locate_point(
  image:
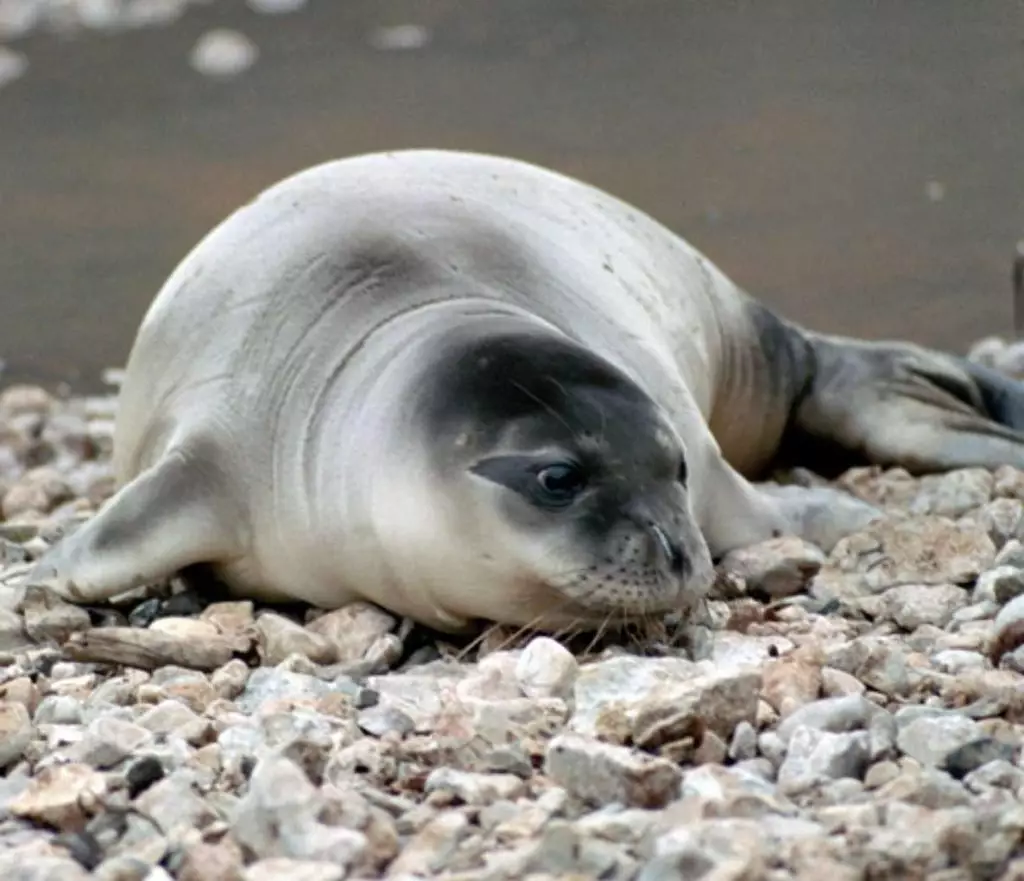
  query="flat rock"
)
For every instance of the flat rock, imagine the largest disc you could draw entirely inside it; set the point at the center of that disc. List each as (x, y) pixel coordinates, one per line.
(915, 550)
(353, 629)
(545, 668)
(600, 773)
(15, 732)
(278, 817)
(930, 739)
(914, 605)
(57, 796)
(815, 756)
(779, 567)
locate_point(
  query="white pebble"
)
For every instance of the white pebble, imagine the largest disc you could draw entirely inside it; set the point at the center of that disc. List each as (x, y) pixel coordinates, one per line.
(399, 38)
(12, 65)
(223, 53)
(546, 669)
(275, 7)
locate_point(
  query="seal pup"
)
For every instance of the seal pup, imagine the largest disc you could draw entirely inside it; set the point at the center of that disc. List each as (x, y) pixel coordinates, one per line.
(465, 387)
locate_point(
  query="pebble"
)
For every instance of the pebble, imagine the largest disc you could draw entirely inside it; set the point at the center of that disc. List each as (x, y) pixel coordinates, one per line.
(58, 796)
(223, 53)
(930, 739)
(546, 669)
(15, 732)
(353, 629)
(777, 568)
(281, 638)
(279, 817)
(600, 773)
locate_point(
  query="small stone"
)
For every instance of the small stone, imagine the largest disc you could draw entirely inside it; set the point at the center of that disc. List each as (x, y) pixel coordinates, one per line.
(744, 742)
(600, 773)
(956, 661)
(229, 681)
(273, 686)
(915, 605)
(881, 773)
(793, 680)
(954, 493)
(725, 848)
(837, 683)
(59, 709)
(56, 796)
(14, 866)
(712, 750)
(930, 739)
(275, 7)
(964, 759)
(223, 53)
(383, 719)
(109, 740)
(546, 669)
(21, 690)
(122, 868)
(1011, 554)
(915, 550)
(474, 789)
(284, 869)
(718, 702)
(15, 732)
(1008, 629)
(999, 585)
(776, 568)
(1003, 519)
(431, 848)
(142, 774)
(401, 37)
(1008, 482)
(353, 629)
(281, 638)
(279, 817)
(12, 632)
(48, 618)
(221, 861)
(814, 757)
(39, 490)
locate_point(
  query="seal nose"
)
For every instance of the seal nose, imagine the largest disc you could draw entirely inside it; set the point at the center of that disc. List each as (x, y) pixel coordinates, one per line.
(671, 550)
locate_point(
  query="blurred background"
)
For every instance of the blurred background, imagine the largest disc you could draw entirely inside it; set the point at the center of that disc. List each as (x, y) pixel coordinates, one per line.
(857, 165)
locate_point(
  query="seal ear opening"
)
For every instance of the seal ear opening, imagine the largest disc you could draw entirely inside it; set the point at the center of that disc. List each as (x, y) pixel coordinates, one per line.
(154, 526)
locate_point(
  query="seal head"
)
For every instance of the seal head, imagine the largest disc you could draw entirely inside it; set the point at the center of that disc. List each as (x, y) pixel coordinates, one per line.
(571, 484)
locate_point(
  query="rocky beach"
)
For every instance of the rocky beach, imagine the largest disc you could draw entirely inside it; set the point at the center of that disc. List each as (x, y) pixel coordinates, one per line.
(851, 713)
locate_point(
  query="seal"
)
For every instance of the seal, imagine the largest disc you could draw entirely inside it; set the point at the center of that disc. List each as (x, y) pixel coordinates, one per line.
(465, 387)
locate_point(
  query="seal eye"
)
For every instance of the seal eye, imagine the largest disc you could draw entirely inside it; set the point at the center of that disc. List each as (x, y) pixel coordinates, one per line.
(559, 483)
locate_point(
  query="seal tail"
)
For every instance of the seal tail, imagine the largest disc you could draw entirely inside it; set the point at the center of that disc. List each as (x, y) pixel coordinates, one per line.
(166, 518)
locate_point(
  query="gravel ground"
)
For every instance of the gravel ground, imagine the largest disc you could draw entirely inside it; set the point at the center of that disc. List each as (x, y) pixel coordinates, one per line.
(851, 715)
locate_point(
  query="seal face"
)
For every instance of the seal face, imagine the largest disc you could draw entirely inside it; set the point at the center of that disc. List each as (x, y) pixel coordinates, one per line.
(561, 457)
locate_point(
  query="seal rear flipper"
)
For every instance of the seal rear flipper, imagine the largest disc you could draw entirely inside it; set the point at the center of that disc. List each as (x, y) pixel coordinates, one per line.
(163, 520)
(901, 405)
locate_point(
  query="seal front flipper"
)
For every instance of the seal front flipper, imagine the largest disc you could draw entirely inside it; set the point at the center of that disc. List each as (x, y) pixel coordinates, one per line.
(168, 517)
(897, 404)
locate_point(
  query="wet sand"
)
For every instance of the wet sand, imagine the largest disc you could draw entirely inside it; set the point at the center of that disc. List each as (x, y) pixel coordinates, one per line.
(856, 165)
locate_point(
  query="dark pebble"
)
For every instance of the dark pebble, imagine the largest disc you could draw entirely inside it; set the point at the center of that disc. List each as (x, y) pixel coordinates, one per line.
(145, 613)
(976, 753)
(83, 848)
(143, 774)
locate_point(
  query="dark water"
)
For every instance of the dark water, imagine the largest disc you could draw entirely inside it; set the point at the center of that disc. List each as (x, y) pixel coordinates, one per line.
(792, 141)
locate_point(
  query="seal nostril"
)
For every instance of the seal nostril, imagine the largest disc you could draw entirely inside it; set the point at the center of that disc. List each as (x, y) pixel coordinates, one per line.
(673, 553)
